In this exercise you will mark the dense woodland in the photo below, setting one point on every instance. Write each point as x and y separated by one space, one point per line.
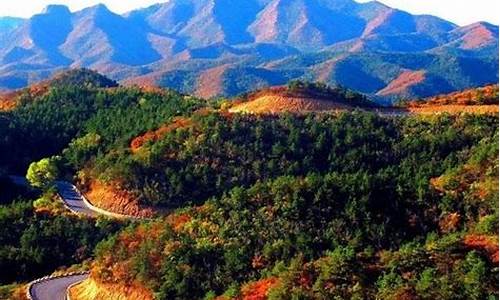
342 206
353 206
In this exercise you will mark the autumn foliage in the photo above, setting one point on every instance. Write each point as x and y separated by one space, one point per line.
483 243
487 95
152 136
258 290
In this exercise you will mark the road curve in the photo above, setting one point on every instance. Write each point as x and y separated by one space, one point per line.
73 199
54 289
70 195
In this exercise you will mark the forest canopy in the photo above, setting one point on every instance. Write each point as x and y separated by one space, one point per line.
351 205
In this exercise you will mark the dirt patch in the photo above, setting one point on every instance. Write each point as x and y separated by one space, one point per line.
454 109
377 22
275 104
113 198
210 82
477 37
91 290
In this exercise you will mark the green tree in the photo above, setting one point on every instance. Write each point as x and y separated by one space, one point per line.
475 276
43 174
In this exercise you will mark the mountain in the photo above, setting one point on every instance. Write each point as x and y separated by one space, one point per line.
223 48
9 23
75 78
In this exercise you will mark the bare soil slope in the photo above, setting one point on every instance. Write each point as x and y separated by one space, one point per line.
274 104
91 290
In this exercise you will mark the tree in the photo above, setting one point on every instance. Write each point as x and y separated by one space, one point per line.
43 174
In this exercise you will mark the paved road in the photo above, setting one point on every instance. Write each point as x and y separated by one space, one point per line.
69 194
73 198
55 289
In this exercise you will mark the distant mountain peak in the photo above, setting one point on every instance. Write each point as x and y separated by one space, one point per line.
98 9
484 25
56 9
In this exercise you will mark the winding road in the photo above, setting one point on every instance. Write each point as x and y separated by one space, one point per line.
73 199
54 289
70 195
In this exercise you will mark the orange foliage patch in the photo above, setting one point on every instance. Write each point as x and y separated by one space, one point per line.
259 290
8 101
92 290
483 243
111 270
454 109
178 221
487 95
153 136
449 222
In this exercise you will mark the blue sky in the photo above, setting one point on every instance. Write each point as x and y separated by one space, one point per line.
459 11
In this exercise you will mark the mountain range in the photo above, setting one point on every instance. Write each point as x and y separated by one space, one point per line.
225 47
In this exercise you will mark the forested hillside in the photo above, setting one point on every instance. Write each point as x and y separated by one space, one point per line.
38 235
352 206
44 123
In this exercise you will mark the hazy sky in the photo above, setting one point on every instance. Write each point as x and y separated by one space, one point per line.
459 11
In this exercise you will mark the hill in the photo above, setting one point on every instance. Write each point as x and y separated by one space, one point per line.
368 47
74 77
300 97
318 207
482 100
487 95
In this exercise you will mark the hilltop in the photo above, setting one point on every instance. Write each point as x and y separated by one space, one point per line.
300 97
223 48
63 79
